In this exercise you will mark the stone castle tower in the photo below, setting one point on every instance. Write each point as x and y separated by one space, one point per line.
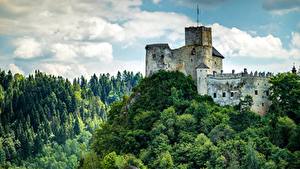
197 52
204 63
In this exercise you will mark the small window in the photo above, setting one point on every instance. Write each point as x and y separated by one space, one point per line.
193 52
215 95
154 56
231 94
267 93
224 94
215 63
191 60
256 92
263 104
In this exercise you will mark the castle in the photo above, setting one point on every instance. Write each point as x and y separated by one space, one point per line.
204 63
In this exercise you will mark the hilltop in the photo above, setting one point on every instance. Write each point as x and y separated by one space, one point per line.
165 124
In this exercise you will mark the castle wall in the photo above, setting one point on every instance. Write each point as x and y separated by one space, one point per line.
228 89
225 89
158 57
184 59
202 80
258 88
215 64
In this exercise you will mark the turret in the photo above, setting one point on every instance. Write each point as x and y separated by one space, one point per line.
202 71
294 70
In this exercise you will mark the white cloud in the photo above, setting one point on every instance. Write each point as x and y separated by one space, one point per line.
63 51
295 45
295 40
102 51
156 1
80 35
15 69
73 70
65 70
156 24
27 48
237 43
68 52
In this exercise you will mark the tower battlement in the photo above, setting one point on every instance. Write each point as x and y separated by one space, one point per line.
199 35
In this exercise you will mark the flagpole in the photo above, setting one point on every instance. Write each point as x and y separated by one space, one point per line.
197 15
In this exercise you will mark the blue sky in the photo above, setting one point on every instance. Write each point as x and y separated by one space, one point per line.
73 38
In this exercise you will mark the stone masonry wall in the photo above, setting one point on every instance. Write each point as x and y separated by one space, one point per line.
184 59
228 89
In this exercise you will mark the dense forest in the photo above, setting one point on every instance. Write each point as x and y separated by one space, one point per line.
126 122
47 121
165 124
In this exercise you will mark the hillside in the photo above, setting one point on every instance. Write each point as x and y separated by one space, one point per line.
165 124
47 121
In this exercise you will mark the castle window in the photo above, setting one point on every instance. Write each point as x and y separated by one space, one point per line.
263 104
191 60
215 95
224 94
231 94
256 92
267 93
215 63
154 56
193 51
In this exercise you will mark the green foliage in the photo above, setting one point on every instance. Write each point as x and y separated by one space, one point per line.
246 103
285 95
164 124
41 113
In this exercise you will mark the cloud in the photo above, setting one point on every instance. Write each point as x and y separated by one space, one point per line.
65 52
66 70
15 69
281 7
296 40
27 48
148 25
203 3
295 45
156 1
78 37
234 42
102 51
73 70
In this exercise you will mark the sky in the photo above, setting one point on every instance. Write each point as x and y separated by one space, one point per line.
82 37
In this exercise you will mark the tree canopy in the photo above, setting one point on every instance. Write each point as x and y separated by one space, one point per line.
165 124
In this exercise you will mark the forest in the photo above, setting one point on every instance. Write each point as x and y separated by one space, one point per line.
165 124
128 122
47 121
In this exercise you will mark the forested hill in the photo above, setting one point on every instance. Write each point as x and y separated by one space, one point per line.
41 111
164 124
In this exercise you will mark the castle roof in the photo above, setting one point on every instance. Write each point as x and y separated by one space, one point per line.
202 66
216 53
